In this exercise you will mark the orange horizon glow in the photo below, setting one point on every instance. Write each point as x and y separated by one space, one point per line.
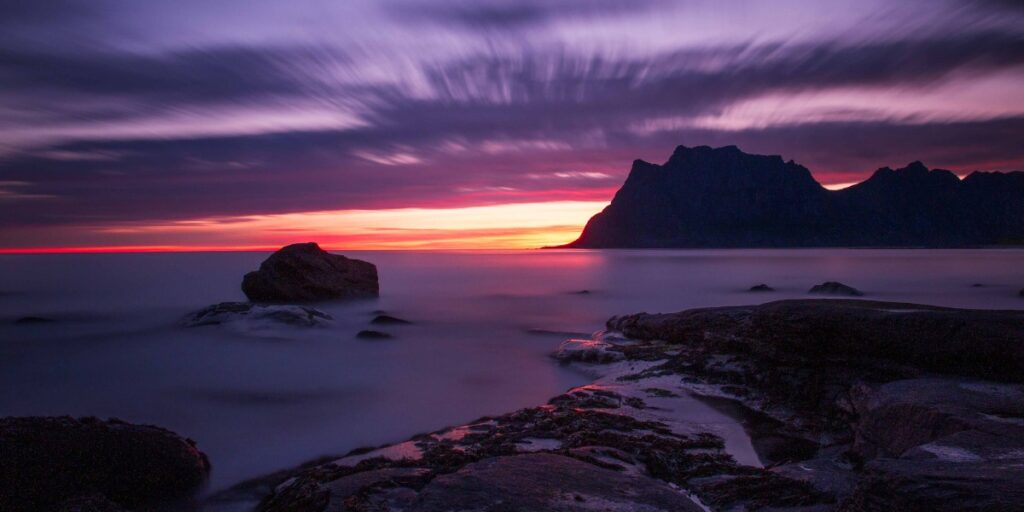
502 226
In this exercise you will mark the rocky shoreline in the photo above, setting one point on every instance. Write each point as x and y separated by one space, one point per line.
850 405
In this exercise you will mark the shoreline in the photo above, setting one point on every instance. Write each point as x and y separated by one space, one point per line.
812 425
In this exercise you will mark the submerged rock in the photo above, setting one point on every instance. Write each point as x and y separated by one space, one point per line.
388 320
373 335
835 288
229 312
306 273
761 288
86 464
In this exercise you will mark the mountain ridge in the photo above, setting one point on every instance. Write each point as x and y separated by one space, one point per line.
724 197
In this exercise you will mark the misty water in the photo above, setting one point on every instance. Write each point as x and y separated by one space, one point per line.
261 399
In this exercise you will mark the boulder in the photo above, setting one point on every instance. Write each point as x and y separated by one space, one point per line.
545 481
54 463
761 288
307 273
835 288
231 312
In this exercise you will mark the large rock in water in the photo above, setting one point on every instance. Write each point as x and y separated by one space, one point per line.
306 273
47 463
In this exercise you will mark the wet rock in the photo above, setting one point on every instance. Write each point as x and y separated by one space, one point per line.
54 463
31 320
887 340
546 482
588 351
388 320
373 335
849 374
761 288
835 288
229 312
306 273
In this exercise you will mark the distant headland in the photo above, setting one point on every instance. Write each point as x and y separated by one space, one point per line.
723 197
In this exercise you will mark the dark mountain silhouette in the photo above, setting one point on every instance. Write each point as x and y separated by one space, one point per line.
723 197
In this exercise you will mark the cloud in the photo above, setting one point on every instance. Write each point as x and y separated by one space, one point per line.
475 129
498 15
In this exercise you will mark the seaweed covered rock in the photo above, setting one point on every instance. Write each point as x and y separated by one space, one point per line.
55 463
307 273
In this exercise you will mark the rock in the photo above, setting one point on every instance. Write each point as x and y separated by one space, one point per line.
580 292
373 335
29 320
87 464
306 273
834 288
849 374
1021 292
230 312
388 320
761 288
588 351
546 482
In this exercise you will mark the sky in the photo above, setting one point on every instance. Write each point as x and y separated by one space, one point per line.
463 124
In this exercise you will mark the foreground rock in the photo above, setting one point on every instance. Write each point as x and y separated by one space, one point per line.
307 273
913 407
545 481
254 314
63 463
834 288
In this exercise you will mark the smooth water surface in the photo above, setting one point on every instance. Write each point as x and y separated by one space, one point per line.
258 400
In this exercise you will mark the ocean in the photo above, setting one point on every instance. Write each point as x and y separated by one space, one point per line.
258 398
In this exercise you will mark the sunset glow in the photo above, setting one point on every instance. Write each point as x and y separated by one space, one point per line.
507 226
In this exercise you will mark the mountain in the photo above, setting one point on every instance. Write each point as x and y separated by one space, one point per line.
723 197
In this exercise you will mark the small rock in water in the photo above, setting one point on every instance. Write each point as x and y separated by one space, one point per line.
835 288
227 312
59 462
761 288
373 335
977 285
388 320
581 292
305 273
1021 292
27 320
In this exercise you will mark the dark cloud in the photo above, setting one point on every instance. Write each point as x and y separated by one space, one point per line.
491 14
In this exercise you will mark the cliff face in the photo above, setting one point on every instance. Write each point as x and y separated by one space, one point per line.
723 197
